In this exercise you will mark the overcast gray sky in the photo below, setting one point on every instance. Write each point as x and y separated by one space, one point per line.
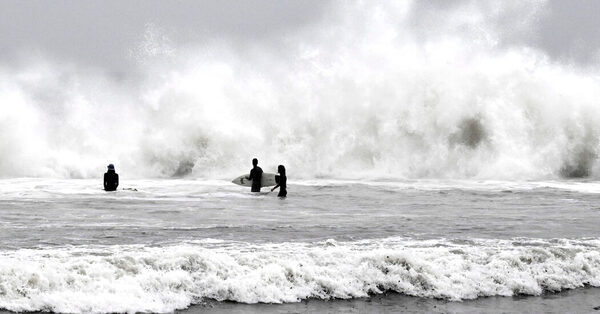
101 33
571 30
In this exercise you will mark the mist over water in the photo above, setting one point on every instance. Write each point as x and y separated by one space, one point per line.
369 91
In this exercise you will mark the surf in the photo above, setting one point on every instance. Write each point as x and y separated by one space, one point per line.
162 279
388 101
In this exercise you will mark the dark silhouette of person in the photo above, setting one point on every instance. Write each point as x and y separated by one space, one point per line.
111 179
255 176
282 182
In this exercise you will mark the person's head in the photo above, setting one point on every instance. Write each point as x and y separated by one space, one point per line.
111 167
281 170
254 162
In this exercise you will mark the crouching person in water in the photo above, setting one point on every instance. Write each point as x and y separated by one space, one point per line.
282 184
111 179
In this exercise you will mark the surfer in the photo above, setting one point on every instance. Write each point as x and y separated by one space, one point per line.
255 176
111 179
282 183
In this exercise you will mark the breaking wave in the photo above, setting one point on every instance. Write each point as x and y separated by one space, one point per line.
162 279
368 92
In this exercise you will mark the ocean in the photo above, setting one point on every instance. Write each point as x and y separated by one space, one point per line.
442 156
372 245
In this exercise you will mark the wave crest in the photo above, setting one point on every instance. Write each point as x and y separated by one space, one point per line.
372 92
134 279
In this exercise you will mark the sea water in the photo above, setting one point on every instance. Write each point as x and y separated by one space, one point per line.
428 155
68 246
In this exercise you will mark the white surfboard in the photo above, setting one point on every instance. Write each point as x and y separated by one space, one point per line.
268 179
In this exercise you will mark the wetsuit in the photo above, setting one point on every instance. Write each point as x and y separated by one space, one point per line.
282 186
111 180
255 176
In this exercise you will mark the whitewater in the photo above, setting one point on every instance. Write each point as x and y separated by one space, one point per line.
432 163
69 247
383 97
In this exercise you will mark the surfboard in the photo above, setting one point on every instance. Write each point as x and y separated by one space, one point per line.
268 179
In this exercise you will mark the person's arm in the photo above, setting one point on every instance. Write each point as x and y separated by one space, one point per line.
273 189
251 175
105 183
116 180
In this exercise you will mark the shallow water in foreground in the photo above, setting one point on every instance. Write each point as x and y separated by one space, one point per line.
568 301
67 246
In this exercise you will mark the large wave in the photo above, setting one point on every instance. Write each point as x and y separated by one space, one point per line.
366 92
162 279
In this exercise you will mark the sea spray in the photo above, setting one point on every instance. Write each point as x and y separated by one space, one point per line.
370 92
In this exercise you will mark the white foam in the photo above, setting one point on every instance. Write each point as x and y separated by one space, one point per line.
162 279
367 94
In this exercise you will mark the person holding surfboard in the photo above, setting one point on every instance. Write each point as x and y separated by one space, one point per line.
111 179
255 175
282 182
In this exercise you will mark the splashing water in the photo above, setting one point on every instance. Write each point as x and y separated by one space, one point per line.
367 93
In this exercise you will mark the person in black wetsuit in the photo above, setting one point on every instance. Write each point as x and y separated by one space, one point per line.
111 179
255 176
282 183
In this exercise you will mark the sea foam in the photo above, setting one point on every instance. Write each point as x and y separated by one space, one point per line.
162 279
367 93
